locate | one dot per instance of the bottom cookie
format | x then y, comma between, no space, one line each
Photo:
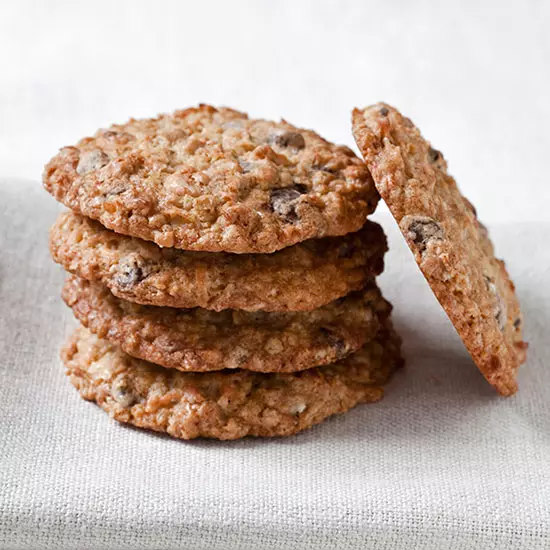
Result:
225,404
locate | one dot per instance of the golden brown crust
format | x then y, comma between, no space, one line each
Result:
302,277
213,180
201,340
228,404
450,245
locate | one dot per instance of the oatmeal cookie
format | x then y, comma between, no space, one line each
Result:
449,243
228,404
302,277
214,180
201,340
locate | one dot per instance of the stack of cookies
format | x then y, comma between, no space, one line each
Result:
223,270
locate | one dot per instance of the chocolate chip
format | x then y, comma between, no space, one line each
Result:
421,230
433,154
109,134
335,341
246,166
122,393
131,273
283,201
384,111
115,191
324,168
113,135
287,138
517,323
91,160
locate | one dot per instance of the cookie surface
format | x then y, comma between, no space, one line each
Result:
450,245
302,277
213,180
228,404
202,340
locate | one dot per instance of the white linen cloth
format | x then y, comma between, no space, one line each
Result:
441,462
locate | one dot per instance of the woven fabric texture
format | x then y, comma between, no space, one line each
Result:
441,462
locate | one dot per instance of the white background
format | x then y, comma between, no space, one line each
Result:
474,76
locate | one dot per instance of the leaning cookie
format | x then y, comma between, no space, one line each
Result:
450,245
228,404
214,180
302,277
201,340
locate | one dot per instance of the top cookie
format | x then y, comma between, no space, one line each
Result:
213,180
450,245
